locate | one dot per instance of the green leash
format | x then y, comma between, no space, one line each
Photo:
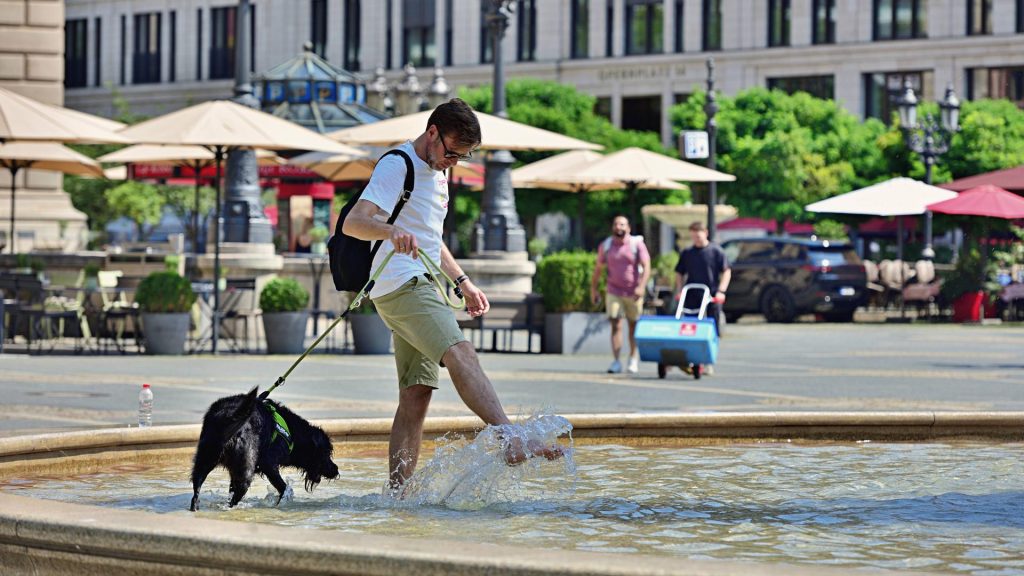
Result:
433,270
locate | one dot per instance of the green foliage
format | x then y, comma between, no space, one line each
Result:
283,295
89,196
165,292
563,279
141,203
91,270
664,268
182,202
972,273
318,233
537,247
830,230
171,262
22,260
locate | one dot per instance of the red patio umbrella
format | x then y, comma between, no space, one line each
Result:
985,200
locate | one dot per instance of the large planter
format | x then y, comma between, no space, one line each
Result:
577,333
286,331
967,307
165,333
369,334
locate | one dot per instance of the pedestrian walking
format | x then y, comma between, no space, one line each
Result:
628,264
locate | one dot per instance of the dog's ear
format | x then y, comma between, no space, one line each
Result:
252,393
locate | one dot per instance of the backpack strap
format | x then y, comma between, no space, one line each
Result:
407,187
606,245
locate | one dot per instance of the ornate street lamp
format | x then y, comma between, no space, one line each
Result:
929,140
711,126
439,91
408,92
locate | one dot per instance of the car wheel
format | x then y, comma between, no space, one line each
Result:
732,318
838,316
777,305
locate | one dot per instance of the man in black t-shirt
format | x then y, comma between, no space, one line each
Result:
704,263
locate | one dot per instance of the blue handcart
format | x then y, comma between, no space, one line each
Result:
689,340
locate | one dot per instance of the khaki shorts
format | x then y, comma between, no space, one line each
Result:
424,328
617,306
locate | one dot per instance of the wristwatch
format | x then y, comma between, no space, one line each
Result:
461,279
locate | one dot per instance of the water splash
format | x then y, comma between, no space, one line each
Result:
472,474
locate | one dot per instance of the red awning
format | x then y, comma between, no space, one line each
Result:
1008,179
986,200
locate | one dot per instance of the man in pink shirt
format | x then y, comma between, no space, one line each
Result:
629,268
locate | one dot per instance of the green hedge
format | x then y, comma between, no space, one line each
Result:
283,295
165,292
563,278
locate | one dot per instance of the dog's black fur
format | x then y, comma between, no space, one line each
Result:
236,434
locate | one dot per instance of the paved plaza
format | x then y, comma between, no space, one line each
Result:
762,367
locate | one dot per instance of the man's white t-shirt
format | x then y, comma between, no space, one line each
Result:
423,215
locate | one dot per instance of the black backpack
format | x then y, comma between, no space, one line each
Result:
350,257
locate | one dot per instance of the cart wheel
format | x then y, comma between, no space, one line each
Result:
697,370
662,370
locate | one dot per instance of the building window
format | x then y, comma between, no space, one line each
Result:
778,23
146,52
642,113
603,107
979,17
882,92
252,38
677,26
817,86
418,45
579,18
76,44
172,58
222,42
389,16
318,27
644,27
900,19
352,40
609,29
1020,16
997,83
824,28
124,48
526,11
712,15
449,31
486,44
97,55
199,43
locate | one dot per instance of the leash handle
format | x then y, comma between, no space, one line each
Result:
358,300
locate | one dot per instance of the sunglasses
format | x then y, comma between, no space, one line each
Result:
448,154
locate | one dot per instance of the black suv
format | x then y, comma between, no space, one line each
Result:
784,277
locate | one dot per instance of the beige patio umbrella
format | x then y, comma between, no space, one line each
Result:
25,119
194,157
634,166
222,126
562,172
497,133
342,167
16,156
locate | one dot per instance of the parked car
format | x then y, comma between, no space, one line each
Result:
785,277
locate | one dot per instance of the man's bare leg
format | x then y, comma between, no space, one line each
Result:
616,337
476,391
632,337
407,433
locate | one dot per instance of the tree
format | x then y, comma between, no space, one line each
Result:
141,203
182,202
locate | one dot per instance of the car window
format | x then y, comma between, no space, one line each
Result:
756,251
833,256
732,250
789,251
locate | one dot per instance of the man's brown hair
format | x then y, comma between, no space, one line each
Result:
698,226
456,120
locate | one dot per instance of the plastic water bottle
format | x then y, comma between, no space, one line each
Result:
145,407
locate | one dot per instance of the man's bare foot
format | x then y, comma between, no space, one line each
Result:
516,453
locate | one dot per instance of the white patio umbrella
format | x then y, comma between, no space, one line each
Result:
195,158
17,156
222,126
895,197
635,166
563,172
25,119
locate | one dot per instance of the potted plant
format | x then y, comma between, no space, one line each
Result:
369,333
966,287
537,247
164,300
573,324
90,273
318,239
283,302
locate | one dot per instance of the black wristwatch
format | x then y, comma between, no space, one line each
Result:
461,279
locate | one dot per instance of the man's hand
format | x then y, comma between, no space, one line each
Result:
404,242
639,292
719,297
476,301
594,296
517,453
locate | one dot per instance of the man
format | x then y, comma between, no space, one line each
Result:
426,334
704,263
629,268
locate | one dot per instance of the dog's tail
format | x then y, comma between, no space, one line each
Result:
242,413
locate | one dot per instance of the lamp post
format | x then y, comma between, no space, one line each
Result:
930,140
499,229
711,126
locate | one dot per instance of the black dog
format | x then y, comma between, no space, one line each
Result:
242,434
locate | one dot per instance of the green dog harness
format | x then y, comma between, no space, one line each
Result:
280,427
